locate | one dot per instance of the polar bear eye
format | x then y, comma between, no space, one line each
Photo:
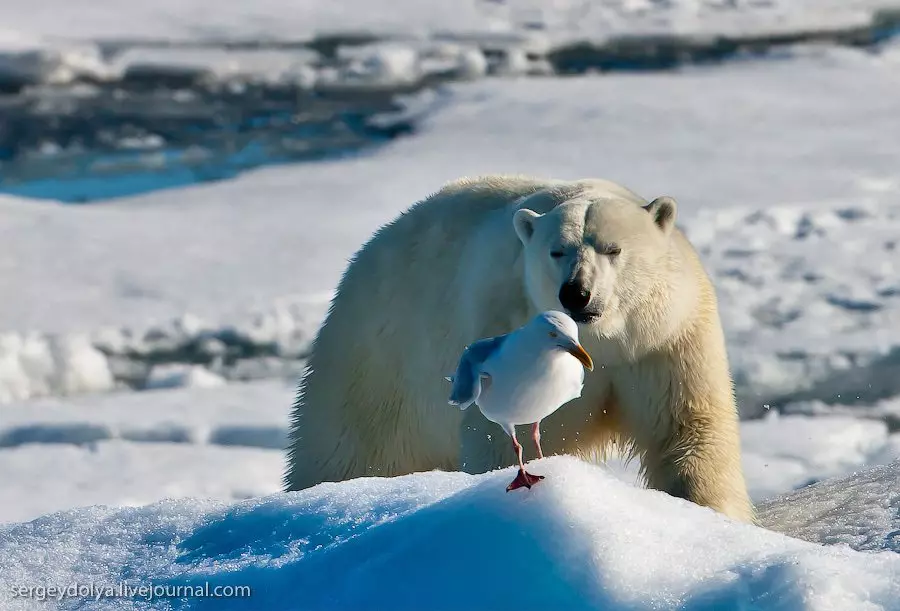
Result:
614,251
556,254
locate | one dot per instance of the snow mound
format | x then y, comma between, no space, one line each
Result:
861,510
579,540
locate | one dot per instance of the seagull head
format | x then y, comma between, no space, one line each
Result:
559,329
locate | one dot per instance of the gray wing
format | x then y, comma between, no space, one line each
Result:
468,378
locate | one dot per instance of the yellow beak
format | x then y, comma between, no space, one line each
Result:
579,353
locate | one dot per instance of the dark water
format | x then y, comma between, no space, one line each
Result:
121,140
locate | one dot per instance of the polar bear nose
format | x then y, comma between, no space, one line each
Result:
574,297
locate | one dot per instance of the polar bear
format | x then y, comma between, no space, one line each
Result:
479,258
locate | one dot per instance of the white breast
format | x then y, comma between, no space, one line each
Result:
527,388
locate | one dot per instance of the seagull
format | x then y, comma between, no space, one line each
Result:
523,377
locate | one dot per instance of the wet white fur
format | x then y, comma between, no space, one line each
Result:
453,269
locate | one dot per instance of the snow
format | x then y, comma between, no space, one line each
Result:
136,448
296,20
887,410
191,414
55,42
124,473
174,376
579,540
35,365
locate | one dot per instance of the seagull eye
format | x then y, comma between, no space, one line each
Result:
553,334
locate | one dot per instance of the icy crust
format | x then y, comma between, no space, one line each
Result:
580,540
861,511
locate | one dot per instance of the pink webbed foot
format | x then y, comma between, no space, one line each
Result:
524,479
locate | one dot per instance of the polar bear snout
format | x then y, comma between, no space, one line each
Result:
575,298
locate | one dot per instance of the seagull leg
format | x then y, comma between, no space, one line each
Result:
518,448
536,436
523,478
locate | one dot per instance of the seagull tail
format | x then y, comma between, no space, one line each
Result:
462,405
454,399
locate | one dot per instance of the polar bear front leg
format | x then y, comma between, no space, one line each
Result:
682,416
699,459
484,446
696,463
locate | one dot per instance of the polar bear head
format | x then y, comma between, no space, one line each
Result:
597,257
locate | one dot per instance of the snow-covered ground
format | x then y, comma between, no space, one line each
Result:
580,540
137,448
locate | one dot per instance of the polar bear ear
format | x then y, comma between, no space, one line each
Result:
663,209
523,221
